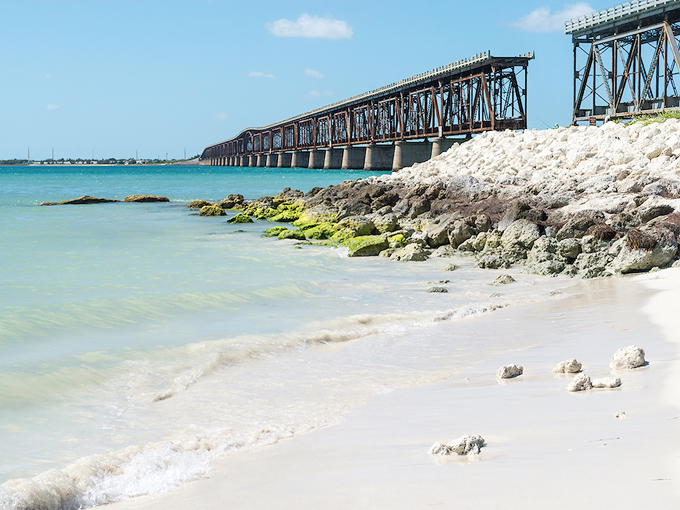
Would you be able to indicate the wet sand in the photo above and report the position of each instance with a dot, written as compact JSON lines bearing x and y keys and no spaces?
{"x":546,"y":447}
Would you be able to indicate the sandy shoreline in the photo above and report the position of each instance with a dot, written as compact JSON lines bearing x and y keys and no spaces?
{"x":546,"y":448}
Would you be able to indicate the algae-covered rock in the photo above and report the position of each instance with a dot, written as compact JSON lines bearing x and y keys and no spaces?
{"x":361,"y":224}
{"x":320,"y":231}
{"x":198,"y":204}
{"x":365,"y":246}
{"x":211,"y":210}
{"x":273,"y":232}
{"x":292,"y":234}
{"x":438,"y":290}
{"x":240,"y":218}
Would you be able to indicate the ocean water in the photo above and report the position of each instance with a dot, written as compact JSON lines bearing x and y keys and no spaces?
{"x":139,"y":341}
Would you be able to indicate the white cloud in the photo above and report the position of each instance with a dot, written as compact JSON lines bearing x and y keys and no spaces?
{"x":52,"y":106}
{"x":313,"y":73}
{"x":322,"y":93}
{"x":47,"y":76}
{"x":258,"y":74}
{"x":540,"y":20}
{"x":220,"y":116}
{"x":311,"y":26}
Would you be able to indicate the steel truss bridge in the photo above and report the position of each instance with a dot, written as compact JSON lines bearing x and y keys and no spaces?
{"x":626,"y":60}
{"x":469,"y":96}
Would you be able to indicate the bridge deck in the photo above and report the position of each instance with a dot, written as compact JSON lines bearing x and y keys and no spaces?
{"x":468,"y":96}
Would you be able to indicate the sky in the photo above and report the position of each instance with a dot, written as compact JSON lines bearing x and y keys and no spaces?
{"x":149,"y":78}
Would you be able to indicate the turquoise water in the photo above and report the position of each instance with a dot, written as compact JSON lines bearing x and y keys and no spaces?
{"x":157,"y":338}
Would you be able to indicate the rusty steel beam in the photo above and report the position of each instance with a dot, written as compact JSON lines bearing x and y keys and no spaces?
{"x":622,"y":63}
{"x":467,"y":97}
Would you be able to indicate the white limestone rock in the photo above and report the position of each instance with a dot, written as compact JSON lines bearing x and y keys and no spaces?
{"x":627,"y":358}
{"x":580,"y":383}
{"x":438,"y":449}
{"x":509,"y":371}
{"x":465,"y":445}
{"x":571,"y":366}
{"x":607,"y":382}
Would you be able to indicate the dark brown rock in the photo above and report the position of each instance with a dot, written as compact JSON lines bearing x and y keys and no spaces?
{"x":85,"y":199}
{"x":146,"y":198}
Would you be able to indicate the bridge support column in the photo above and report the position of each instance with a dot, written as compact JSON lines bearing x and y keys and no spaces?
{"x":316,"y":158}
{"x":300,"y":159}
{"x":408,"y":153}
{"x":332,"y":159}
{"x":261,"y":160}
{"x":284,"y":160}
{"x":353,"y":158}
{"x":272,"y":160}
{"x":252,"y":160}
{"x":379,"y":157}
{"x":441,"y":145}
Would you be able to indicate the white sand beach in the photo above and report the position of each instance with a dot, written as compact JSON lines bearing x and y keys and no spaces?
{"x":545,"y":447}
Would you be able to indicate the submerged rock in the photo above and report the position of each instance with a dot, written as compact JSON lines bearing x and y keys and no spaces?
{"x":628,"y":358}
{"x":440,"y":290}
{"x":510,"y":371}
{"x":580,"y":383}
{"x":571,"y":366}
{"x":465,"y":445}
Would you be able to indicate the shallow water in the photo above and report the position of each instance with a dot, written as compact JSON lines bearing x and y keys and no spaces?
{"x":159,"y":339}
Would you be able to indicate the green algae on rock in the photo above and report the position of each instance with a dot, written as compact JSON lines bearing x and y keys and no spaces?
{"x":292,"y":234}
{"x":240,"y":218}
{"x":211,"y":210}
{"x":273,"y":232}
{"x":365,"y":246}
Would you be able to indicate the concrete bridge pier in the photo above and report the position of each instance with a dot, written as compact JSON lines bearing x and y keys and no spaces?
{"x":252,"y":160}
{"x":409,"y":153}
{"x":353,"y":158}
{"x":261,"y":160}
{"x":316,"y":159}
{"x":441,"y":145}
{"x":379,"y":157}
{"x":332,"y":159}
{"x":272,"y":160}
{"x":284,"y":160}
{"x":300,"y":159}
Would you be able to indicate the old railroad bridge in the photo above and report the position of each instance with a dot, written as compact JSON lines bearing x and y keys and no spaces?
{"x":393,"y":126}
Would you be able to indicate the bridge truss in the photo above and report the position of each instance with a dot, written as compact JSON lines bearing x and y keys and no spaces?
{"x":469,"y":96}
{"x":626,"y":60}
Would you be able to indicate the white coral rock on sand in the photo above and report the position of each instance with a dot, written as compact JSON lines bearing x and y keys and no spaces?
{"x":465,"y":445}
{"x":627,"y":358}
{"x":580,"y":383}
{"x":571,"y":366}
{"x":607,"y":382}
{"x":509,"y":371}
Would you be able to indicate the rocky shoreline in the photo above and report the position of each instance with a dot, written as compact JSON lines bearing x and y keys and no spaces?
{"x":578,"y":201}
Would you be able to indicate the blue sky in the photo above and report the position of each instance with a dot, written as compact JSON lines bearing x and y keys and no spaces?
{"x":115,"y":77}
